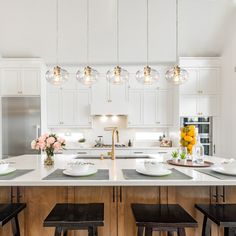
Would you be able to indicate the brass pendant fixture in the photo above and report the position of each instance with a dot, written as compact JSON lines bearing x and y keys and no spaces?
{"x":118,"y":75}
{"x":57,"y":75}
{"x":148,"y":75}
{"x":88,"y":76}
{"x":177,"y":75}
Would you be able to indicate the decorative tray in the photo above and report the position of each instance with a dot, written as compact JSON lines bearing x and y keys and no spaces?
{"x":190,"y":163}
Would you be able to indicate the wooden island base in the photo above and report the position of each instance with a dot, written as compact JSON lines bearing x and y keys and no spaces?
{"x":119,"y":220}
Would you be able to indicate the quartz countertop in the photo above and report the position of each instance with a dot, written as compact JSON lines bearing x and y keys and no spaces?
{"x":34,"y":178}
{"x":121,"y":148}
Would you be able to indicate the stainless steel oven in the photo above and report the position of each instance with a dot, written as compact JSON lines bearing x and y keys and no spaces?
{"x":204,"y":126}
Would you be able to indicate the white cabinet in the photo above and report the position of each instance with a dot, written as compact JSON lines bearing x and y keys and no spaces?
{"x":201,"y":81}
{"x":20,"y":81}
{"x":150,"y":108}
{"x":164,"y":111}
{"x":68,"y":108}
{"x":135,"y":108}
{"x":199,"y":105}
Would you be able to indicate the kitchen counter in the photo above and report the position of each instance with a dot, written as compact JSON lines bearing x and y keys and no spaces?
{"x":121,"y":148}
{"x":34,"y":178}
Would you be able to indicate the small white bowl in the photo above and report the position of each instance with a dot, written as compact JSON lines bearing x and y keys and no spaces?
{"x":3,"y":166}
{"x":153,"y":165}
{"x":79,"y":166}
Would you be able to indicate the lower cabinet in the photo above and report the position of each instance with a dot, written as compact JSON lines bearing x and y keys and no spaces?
{"x":119,"y":220}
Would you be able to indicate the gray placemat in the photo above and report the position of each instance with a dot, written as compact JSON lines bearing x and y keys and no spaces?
{"x":102,"y":174}
{"x":15,"y":174}
{"x":132,"y":174}
{"x":216,"y":175}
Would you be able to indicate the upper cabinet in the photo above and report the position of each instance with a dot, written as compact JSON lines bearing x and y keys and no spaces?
{"x":199,"y":96}
{"x":150,"y":108}
{"x":20,"y":78}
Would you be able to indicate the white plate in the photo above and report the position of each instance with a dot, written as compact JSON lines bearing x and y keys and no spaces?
{"x":8,"y":171}
{"x":223,"y":171}
{"x":161,"y":172}
{"x":90,"y":171}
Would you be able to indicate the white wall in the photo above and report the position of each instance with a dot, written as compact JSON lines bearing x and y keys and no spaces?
{"x":228,"y":106}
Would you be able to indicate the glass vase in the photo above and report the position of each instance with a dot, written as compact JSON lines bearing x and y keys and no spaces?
{"x":49,"y":160}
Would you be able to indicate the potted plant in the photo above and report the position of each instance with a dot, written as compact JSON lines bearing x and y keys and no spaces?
{"x":49,"y":143}
{"x":183,"y":157}
{"x":175,"y":156}
{"x":82,"y":142}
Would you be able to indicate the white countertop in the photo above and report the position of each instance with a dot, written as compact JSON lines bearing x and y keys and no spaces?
{"x":34,"y":178}
{"x":122,"y":148}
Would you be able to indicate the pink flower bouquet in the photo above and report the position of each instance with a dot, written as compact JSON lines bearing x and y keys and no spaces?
{"x":48,"y":143}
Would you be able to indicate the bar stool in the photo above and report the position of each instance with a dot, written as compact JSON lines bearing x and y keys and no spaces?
{"x":69,"y":216}
{"x":221,"y":214}
{"x":161,"y":217}
{"x":9,"y":212}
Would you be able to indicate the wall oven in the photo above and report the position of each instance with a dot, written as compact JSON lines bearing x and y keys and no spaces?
{"x":204,"y":126}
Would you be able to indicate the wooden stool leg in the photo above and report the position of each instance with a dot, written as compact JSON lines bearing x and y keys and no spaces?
{"x":58,"y":231}
{"x":92,"y":231}
{"x":170,"y":233}
{"x":15,"y":226}
{"x":140,"y":231}
{"x":65,"y":232}
{"x":181,"y":232}
{"x":148,"y":231}
{"x":206,"y":227}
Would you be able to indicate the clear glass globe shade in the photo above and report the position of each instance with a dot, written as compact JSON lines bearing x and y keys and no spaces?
{"x":57,"y":76}
{"x":147,"y":76}
{"x":88,"y":76}
{"x":117,"y":76}
{"x":177,"y":75}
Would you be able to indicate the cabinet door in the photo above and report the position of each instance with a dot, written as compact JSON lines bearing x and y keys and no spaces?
{"x":149,"y":108}
{"x":191,"y":86}
{"x":188,"y":105}
{"x":30,"y":81}
{"x":208,"y":105}
{"x":208,"y":80}
{"x":68,"y":107}
{"x":53,"y":108}
{"x":135,"y":108}
{"x":83,"y":108}
{"x":165,"y":107}
{"x":10,"y":82}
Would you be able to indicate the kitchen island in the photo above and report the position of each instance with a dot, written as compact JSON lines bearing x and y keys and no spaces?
{"x":116,"y":192}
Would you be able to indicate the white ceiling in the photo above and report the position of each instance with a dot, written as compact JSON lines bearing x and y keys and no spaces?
{"x":27,"y":28}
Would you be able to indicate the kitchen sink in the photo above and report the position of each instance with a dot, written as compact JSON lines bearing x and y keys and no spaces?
{"x":117,"y":157}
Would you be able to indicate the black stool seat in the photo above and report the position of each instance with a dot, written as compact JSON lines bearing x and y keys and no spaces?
{"x":161,"y":217}
{"x":9,"y":212}
{"x":69,"y":216}
{"x":221,"y":214}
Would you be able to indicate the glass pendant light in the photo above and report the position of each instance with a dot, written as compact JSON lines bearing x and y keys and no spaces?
{"x":88,"y":76}
{"x":147,"y":75}
{"x":177,"y":75}
{"x":117,"y":75}
{"x":57,"y":75}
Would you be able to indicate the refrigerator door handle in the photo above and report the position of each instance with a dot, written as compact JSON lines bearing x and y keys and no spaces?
{"x":37,"y":131}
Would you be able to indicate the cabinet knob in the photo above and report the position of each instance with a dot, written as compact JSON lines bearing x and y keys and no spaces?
{"x":158,"y":122}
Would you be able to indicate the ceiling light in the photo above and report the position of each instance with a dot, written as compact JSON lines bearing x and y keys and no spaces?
{"x":88,"y":76}
{"x":148,"y":75}
{"x":118,"y":75}
{"x":57,"y":75}
{"x":177,"y":75}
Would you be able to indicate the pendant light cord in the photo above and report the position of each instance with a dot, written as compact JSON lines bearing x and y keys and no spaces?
{"x":117,"y":33}
{"x":177,"y":32}
{"x":57,"y":31}
{"x":87,"y":31}
{"x":147,"y":22}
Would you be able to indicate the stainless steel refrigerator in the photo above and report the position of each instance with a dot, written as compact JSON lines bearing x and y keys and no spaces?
{"x":21,"y":119}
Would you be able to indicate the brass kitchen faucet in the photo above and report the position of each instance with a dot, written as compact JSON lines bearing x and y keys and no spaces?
{"x":114,"y":132}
